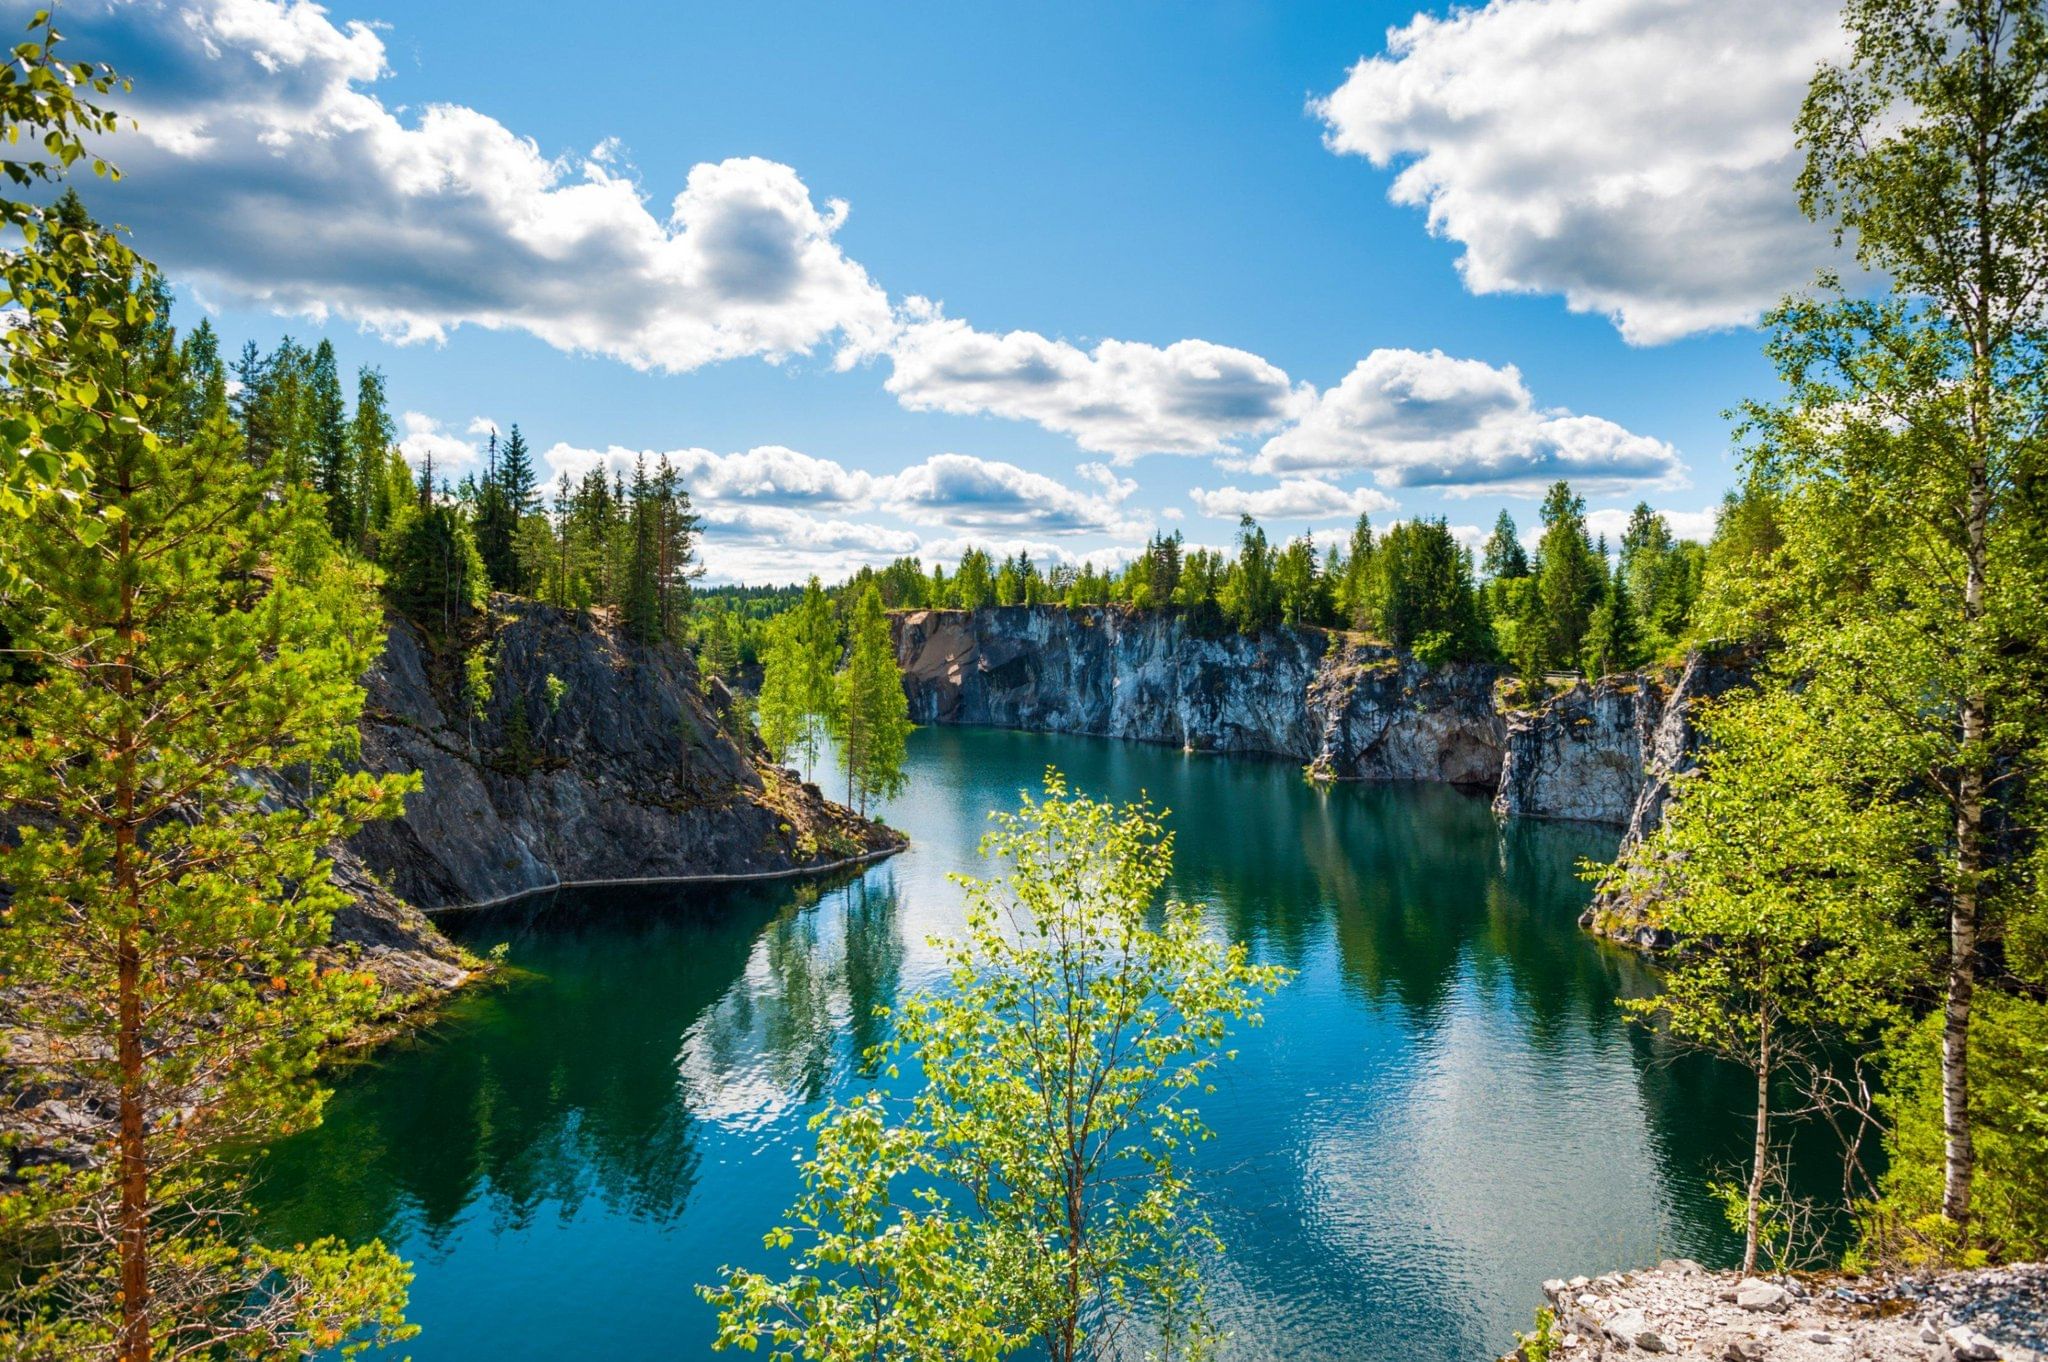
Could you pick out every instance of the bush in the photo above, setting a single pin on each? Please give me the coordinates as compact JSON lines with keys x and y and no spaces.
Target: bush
{"x":2009,"y":1099}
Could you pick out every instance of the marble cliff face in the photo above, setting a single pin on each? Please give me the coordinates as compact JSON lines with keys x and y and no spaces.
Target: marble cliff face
{"x":1600,"y":752}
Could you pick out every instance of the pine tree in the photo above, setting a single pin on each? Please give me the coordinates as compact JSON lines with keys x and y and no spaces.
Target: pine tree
{"x":166,"y":908}
{"x":872,"y":715}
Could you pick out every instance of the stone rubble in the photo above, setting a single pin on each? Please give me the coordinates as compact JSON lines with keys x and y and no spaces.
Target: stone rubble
{"x":1688,"y":1314}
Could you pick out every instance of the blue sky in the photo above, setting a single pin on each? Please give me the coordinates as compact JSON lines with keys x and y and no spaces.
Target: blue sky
{"x":1597,"y":196}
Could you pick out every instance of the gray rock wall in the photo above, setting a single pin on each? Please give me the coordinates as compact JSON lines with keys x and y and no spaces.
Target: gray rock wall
{"x":629,"y":776}
{"x":1347,"y":710}
{"x":1580,"y":754}
{"x":1601,"y":752}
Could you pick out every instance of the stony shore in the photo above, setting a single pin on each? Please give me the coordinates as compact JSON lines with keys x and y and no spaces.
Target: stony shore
{"x":1680,"y":1310}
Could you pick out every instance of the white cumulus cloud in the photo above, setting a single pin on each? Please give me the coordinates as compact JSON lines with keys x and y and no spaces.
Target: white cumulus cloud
{"x":1612,"y":521}
{"x":1293,"y":499}
{"x":266,"y":168}
{"x":424,"y":440}
{"x":989,"y":494}
{"x":1123,"y":398}
{"x":1635,"y":156}
{"x":1424,"y":419}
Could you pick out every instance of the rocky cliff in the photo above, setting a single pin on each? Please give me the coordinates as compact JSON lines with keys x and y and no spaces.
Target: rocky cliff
{"x":1580,"y":753}
{"x":1671,"y":749}
{"x":1347,"y":709}
{"x":593,"y":760}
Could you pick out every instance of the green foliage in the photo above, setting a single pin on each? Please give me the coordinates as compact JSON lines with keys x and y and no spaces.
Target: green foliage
{"x":2009,"y":1104}
{"x":1787,"y":870}
{"x":167,"y":938}
{"x":872,"y":715}
{"x":67,"y":290}
{"x":1505,"y":557}
{"x":1033,"y":1193}
{"x":1570,"y":582}
{"x":1250,"y":597}
{"x":799,"y":701}
{"x":974,"y":584}
{"x":1902,"y":461}
{"x":1418,"y":593}
{"x":437,"y":576}
{"x":1545,"y":1341}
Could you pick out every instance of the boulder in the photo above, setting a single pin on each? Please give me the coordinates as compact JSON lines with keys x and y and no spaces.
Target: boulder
{"x":1752,"y":1294}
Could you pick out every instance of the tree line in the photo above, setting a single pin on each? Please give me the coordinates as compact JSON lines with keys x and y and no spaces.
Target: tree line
{"x":629,"y":544}
{"x":1571,"y":605}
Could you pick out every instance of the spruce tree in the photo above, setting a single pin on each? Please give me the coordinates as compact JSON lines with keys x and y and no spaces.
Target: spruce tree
{"x":1570,"y":580}
{"x":496,"y":522}
{"x":640,"y":604}
{"x":437,"y":576}
{"x":333,"y":462}
{"x":371,"y":438}
{"x":515,"y":474}
{"x":1505,"y":558}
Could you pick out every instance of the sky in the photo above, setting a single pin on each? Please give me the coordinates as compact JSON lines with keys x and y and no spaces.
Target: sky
{"x":892,"y":279}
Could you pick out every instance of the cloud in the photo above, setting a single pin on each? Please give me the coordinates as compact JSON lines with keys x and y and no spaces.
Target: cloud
{"x":779,"y":544}
{"x":1612,"y":521}
{"x":1293,"y":499}
{"x":988,"y":494}
{"x":775,"y":514}
{"x":266,"y":169}
{"x":1423,"y":419}
{"x":1635,"y":156}
{"x":423,"y":439}
{"x":773,"y":475}
{"x":1123,"y":398}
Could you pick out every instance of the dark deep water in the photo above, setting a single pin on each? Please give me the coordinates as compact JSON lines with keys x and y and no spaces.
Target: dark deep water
{"x":1442,"y":1110}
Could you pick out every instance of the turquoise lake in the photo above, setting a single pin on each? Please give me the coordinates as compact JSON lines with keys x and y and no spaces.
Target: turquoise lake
{"x":1444,"y":1108}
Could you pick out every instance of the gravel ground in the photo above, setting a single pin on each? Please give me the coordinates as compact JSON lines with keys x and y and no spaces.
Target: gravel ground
{"x":1680,"y":1310}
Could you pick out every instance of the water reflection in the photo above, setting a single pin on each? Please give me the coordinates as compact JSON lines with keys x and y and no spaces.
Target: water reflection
{"x":1442,"y":1110}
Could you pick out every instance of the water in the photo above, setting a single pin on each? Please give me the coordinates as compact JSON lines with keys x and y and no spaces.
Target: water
{"x":1443,"y":1109}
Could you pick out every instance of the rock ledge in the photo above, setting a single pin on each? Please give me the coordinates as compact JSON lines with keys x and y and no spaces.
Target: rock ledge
{"x":1680,"y":1310}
